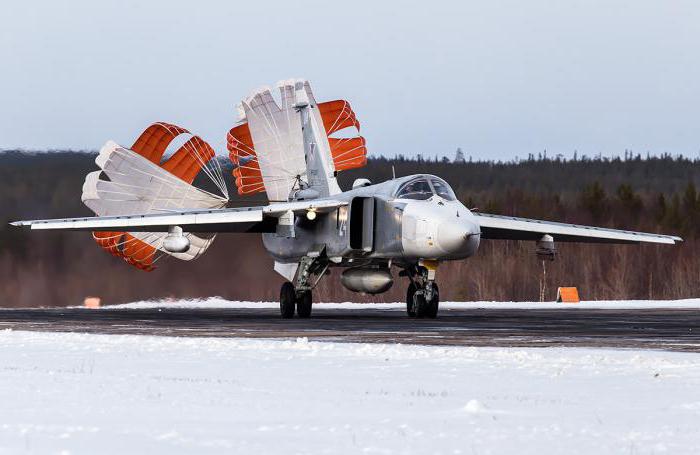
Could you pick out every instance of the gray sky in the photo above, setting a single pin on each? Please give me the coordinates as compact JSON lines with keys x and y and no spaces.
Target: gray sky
{"x":498,"y":78}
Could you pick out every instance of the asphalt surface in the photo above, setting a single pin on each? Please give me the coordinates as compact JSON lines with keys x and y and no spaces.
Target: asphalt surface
{"x":669,"y":329}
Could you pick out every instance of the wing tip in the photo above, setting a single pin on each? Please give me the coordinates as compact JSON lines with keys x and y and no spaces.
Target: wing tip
{"x":670,"y":240}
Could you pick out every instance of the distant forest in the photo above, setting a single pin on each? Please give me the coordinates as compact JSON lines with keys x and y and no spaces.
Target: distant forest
{"x":657,"y":194}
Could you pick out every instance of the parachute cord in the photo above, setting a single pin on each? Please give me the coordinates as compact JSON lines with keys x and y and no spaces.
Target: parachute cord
{"x":209,"y":172}
{"x":215,"y":169}
{"x":190,"y":189}
{"x":214,"y":176}
{"x":168,"y":179}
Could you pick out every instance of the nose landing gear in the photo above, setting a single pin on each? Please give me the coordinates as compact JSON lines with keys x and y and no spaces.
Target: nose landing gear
{"x":410,"y":296}
{"x":423,"y":294}
{"x":425,"y":302}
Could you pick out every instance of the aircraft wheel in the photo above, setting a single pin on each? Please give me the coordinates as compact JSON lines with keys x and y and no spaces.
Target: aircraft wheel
{"x":409,"y":300}
{"x":432,"y":308}
{"x":304,"y":303}
{"x":287,"y":300}
{"x":421,"y":305}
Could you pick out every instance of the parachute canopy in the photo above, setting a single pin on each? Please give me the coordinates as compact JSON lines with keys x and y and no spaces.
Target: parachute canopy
{"x":271,"y":157}
{"x":142,"y":180}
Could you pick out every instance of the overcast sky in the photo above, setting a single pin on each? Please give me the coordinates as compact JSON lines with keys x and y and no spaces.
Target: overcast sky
{"x":497,"y":78}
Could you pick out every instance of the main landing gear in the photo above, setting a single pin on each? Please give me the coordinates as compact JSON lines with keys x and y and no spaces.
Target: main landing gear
{"x":291,"y":299}
{"x":297,"y":295}
{"x":423,"y":294}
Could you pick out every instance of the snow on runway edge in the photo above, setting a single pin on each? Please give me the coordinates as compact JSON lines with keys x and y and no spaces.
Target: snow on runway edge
{"x":218,"y":303}
{"x":122,"y":393}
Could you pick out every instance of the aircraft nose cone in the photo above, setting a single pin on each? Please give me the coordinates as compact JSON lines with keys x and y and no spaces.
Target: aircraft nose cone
{"x":453,"y":237}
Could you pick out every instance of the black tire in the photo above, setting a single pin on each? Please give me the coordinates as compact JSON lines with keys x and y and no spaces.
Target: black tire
{"x":409,"y":300}
{"x":287,"y":300}
{"x":432,"y":309}
{"x":304,"y":303}
{"x":421,"y":306}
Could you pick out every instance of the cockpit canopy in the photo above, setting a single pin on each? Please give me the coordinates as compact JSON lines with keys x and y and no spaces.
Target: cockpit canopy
{"x":423,"y":188}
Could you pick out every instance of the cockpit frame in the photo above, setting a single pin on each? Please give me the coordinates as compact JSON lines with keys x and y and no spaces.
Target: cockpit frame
{"x":425,"y":187}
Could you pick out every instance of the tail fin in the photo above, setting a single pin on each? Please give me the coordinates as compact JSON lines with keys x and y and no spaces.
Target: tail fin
{"x":139,"y":180}
{"x":284,"y":148}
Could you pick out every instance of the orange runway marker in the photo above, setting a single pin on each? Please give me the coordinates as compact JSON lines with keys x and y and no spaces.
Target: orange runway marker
{"x":92,"y":302}
{"x":567,"y":295}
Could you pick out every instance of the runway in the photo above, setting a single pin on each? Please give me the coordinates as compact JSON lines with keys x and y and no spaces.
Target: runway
{"x":661,"y":328}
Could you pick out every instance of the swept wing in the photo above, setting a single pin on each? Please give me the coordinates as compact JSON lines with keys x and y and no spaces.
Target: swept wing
{"x":241,"y":219}
{"x":513,"y":228}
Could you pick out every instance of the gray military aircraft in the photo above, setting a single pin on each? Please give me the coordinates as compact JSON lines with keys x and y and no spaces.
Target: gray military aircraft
{"x":147,"y":206}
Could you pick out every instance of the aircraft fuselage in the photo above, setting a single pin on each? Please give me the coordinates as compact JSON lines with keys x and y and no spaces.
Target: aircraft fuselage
{"x":380,"y":224}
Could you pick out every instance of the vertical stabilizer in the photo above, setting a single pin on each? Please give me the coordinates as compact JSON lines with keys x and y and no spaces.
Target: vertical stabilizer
{"x":319,"y":161}
{"x":286,"y":148}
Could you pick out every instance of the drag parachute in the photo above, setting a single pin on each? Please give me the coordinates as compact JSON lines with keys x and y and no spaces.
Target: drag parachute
{"x":266,"y":147}
{"x":142,"y":180}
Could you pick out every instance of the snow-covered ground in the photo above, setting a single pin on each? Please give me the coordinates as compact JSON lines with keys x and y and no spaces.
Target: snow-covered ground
{"x":217,"y":302}
{"x":79,"y":393}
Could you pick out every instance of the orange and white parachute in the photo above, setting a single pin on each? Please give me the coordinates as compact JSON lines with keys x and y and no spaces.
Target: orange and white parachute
{"x":266,"y":146}
{"x":142,"y":180}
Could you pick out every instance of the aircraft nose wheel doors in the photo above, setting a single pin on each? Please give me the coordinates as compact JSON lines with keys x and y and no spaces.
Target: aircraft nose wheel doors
{"x":291,"y":299}
{"x":422,"y":297}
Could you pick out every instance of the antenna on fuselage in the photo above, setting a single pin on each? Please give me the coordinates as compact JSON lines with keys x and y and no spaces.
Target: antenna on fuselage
{"x":393,"y":173}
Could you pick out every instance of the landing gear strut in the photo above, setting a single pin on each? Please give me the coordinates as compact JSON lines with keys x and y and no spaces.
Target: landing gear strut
{"x":423,"y":294}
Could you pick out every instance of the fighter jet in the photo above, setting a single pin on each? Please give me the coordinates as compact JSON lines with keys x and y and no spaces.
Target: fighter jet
{"x":148,"y":207}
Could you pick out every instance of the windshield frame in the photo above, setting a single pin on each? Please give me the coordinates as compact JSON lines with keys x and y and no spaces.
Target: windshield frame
{"x":451,"y":196}
{"x":424,"y":179}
